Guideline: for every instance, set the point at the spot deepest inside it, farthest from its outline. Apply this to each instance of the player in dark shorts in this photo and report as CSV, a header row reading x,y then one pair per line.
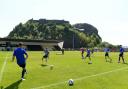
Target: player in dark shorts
x,y
121,55
88,55
82,52
21,59
92,51
62,51
107,50
46,55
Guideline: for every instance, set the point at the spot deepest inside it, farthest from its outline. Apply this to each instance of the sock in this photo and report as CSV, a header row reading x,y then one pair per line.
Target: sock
x,y
23,72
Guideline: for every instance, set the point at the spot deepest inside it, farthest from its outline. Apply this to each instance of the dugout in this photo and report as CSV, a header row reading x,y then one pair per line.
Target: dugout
x,y
31,45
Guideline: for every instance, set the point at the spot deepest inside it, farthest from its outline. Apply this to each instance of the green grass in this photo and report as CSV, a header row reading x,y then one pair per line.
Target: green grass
x,y
68,66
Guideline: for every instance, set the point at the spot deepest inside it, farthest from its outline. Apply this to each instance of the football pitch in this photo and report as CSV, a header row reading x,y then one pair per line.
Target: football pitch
x,y
98,75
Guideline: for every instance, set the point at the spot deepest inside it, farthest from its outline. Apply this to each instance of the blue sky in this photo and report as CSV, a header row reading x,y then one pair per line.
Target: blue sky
x,y
110,17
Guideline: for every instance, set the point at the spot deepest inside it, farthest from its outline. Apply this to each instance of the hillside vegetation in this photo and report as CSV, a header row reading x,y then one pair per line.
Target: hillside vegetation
x,y
72,35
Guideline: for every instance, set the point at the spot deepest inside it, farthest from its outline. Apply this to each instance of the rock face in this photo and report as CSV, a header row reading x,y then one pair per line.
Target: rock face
x,y
87,28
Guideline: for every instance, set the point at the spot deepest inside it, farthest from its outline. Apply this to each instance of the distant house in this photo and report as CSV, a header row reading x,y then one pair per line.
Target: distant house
x,y
33,45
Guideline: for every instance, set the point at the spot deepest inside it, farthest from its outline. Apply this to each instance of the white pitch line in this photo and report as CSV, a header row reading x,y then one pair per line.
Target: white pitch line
x,y
3,67
55,84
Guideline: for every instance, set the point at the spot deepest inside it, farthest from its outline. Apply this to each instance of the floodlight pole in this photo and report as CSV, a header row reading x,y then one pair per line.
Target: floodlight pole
x,y
73,42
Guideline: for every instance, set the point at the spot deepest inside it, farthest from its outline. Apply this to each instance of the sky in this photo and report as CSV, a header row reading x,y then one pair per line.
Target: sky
x,y
110,17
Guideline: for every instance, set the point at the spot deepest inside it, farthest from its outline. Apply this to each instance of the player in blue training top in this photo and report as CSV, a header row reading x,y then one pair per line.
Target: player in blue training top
x,y
46,55
88,55
107,50
21,59
121,55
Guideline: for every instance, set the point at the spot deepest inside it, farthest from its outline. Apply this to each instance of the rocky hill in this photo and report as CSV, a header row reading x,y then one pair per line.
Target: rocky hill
x,y
72,35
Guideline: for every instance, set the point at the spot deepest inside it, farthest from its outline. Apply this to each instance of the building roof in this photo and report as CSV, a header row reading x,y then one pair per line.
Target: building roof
x,y
24,40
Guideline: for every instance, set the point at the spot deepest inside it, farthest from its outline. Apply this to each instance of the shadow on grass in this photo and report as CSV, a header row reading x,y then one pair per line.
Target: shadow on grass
x,y
44,65
59,54
125,63
14,85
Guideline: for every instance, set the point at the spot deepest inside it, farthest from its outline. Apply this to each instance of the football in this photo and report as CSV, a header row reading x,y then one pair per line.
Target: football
x,y
51,67
90,62
71,82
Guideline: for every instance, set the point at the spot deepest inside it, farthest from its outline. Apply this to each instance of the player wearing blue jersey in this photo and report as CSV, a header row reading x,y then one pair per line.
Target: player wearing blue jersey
x,y
107,50
88,55
46,55
121,55
21,59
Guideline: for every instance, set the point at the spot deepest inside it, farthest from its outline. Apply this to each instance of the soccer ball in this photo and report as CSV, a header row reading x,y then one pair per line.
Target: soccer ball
x,y
71,82
90,62
51,67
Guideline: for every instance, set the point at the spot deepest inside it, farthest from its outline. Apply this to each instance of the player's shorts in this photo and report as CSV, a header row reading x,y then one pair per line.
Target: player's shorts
x,y
22,65
88,55
121,55
82,53
106,54
45,56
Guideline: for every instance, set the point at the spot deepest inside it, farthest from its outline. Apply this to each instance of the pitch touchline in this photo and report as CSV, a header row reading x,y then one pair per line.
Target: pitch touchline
x,y
55,84
3,67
